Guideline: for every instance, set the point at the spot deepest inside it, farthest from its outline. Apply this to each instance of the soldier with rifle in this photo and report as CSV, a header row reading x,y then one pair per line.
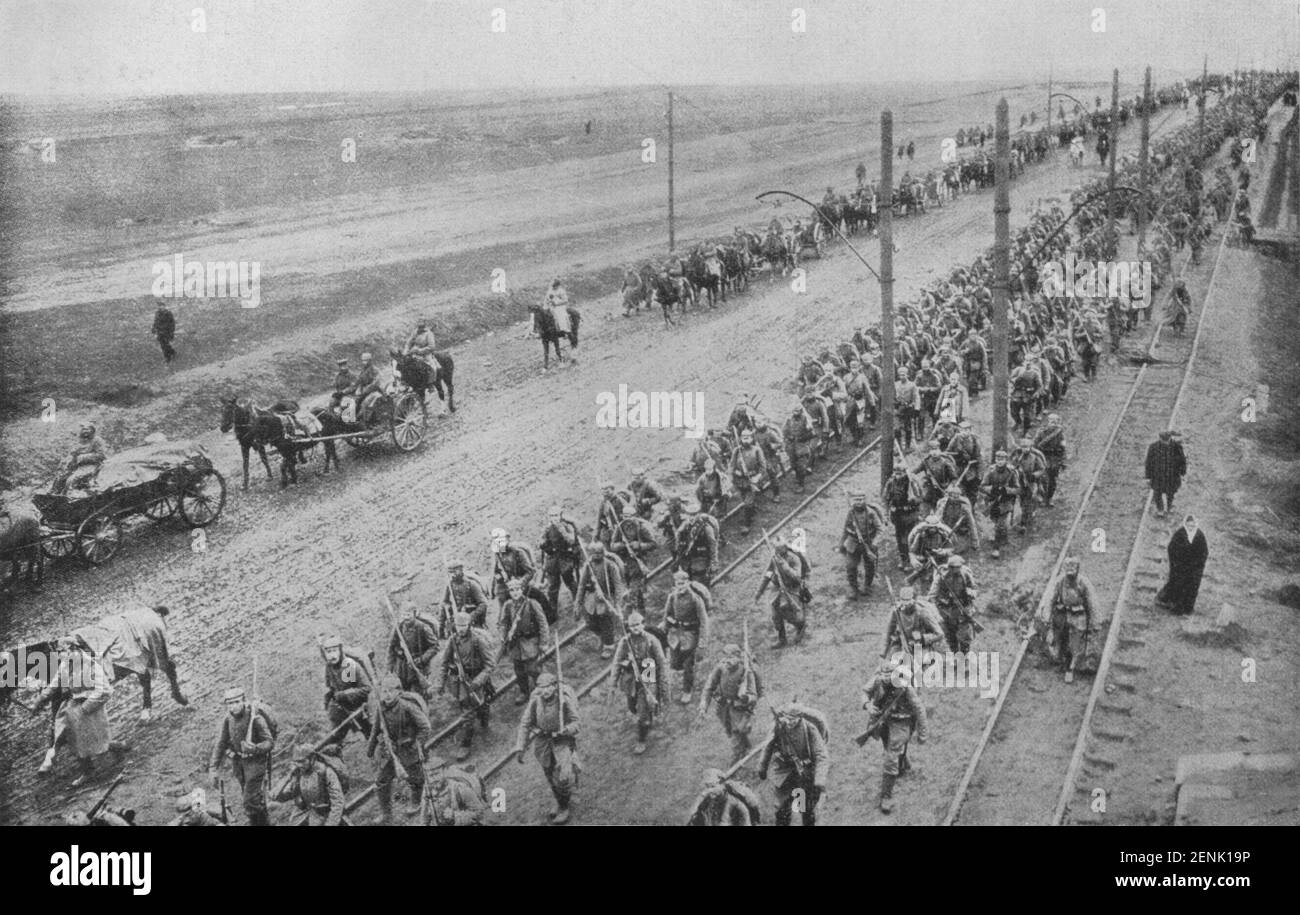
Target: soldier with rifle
x,y
858,542
788,570
929,544
797,754
509,561
524,632
550,723
964,446
724,802
958,515
750,469
697,544
561,556
735,686
453,796
412,649
1073,609
1050,440
601,591
248,735
633,540
315,788
901,496
914,625
463,593
1001,487
936,471
686,619
645,492
1031,465
348,681
403,725
953,592
612,503
712,490
467,662
895,710
670,522
641,670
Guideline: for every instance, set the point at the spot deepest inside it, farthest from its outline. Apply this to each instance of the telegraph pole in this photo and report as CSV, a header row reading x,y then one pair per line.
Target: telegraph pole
x,y
1144,158
886,205
1200,129
672,235
1114,154
1001,275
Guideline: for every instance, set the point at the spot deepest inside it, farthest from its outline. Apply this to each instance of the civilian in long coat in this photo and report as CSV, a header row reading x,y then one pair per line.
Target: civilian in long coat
x,y
1188,552
1166,465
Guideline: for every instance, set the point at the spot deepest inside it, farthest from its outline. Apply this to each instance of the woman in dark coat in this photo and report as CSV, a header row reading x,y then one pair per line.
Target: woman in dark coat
x,y
1187,554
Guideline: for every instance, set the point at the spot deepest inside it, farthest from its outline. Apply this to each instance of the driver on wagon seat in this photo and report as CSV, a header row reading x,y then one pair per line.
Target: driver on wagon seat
x,y
367,383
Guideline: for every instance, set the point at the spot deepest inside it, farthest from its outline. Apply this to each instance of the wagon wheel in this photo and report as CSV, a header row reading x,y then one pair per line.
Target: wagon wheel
x,y
408,422
59,543
161,509
202,497
100,537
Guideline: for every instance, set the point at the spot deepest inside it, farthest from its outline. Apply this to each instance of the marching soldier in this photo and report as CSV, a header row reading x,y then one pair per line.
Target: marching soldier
x,y
749,469
928,383
858,544
1026,385
902,498
862,402
561,557
418,636
788,571
1001,487
453,796
958,515
551,723
723,802
611,508
642,672
895,712
1050,440
348,682
927,542
602,583
646,493
248,736
953,592
524,637
404,726
799,434
462,593
712,491
633,540
697,545
769,440
914,624
936,472
798,756
1074,603
467,661
509,561
686,617
945,430
965,449
670,522
907,408
315,789
736,687
1031,464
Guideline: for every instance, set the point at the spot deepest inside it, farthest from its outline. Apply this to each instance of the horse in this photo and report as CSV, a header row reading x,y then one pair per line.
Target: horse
x,y
776,253
130,644
421,377
735,271
263,427
701,277
545,327
21,537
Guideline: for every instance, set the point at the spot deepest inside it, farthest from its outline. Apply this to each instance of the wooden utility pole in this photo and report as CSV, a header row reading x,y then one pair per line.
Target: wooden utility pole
x,y
1001,275
886,206
1200,128
1144,158
1111,237
1050,145
672,232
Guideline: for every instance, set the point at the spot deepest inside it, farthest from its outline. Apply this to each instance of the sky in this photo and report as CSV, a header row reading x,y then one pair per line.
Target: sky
x,y
152,47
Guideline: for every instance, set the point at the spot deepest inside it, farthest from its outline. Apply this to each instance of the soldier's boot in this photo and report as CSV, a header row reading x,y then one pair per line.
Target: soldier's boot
x,y
739,747
259,818
747,518
414,805
887,793
783,815
779,641
799,633
642,734
904,765
466,740
561,814
775,489
851,573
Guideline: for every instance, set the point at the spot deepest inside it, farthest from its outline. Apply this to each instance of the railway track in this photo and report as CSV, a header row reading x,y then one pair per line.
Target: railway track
x,y
1043,746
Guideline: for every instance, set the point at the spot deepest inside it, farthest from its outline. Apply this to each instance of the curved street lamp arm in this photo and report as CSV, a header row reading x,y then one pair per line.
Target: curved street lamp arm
x,y
825,219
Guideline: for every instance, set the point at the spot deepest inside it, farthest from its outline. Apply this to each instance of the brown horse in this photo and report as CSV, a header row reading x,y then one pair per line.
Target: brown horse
x,y
20,540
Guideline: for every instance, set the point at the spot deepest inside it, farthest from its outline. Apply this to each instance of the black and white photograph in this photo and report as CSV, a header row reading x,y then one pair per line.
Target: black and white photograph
x,y
691,412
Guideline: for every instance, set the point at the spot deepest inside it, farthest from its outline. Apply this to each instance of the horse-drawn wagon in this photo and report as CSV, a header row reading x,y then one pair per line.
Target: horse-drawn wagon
x,y
397,413
155,481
